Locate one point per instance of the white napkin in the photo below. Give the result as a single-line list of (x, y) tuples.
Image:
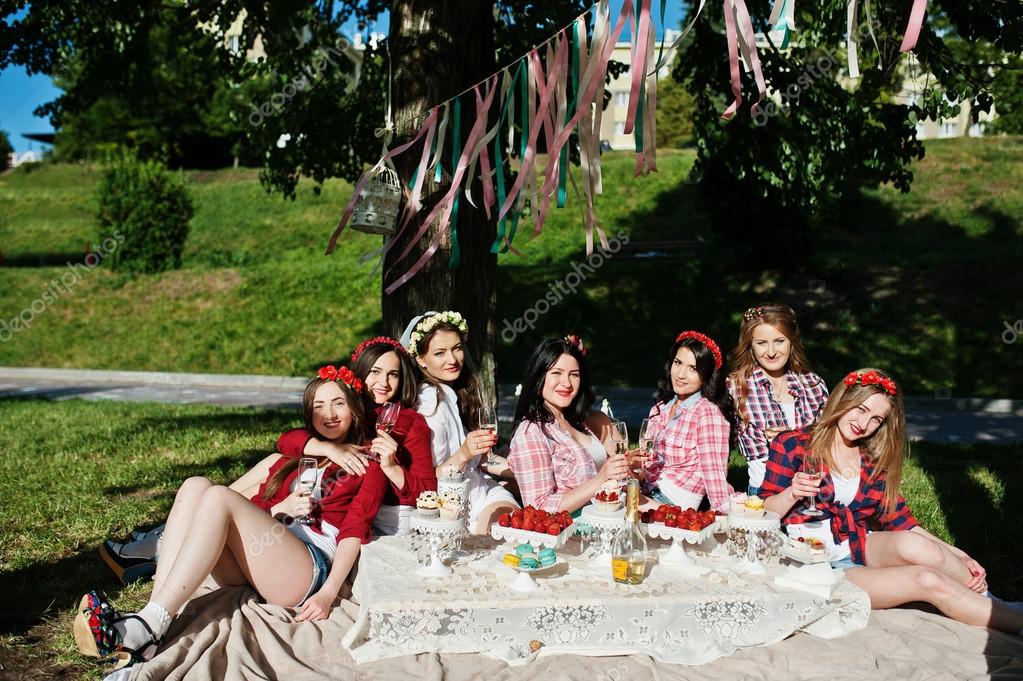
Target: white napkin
[(818, 579)]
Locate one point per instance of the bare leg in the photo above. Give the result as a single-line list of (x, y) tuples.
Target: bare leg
[(896, 549), (489, 515), (892, 586), (271, 558), (181, 517)]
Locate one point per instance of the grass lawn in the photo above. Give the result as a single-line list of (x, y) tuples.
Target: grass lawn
[(75, 473), (920, 284)]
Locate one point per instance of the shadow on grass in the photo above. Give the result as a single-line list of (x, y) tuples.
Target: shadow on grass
[(976, 487), (44, 259), (917, 296), (218, 470)]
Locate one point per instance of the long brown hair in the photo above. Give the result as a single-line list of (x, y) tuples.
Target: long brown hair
[(407, 393), (355, 434), (743, 362), (466, 387), (885, 449)]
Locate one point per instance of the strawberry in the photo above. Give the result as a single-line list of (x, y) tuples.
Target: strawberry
[(695, 527), (670, 521), (554, 528), (658, 516), (529, 525), (516, 523), (504, 520)]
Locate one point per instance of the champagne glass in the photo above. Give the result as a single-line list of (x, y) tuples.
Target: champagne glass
[(306, 482), (812, 467), (654, 461), (388, 417), (619, 437), (488, 422)]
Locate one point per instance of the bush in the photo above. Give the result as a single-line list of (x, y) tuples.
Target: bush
[(150, 206)]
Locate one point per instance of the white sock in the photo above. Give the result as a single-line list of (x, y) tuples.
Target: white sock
[(147, 547), (134, 634)]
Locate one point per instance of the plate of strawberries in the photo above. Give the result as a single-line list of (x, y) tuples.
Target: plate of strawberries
[(534, 526), (672, 521)]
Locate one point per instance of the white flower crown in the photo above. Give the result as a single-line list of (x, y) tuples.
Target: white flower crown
[(427, 323)]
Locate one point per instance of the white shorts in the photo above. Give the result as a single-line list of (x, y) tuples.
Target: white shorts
[(678, 496), (487, 495)]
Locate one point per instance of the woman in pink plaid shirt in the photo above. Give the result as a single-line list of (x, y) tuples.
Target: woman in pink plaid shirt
[(558, 461), (689, 427)]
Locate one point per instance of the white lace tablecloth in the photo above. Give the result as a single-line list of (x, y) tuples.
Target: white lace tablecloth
[(673, 618)]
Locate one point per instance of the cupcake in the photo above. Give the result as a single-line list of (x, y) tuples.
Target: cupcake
[(739, 503), (427, 504), (754, 507), (609, 498), (450, 502), (547, 556)]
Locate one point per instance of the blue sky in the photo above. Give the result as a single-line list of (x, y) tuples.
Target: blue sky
[(20, 93)]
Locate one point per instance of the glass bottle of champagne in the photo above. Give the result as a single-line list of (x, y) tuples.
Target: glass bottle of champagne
[(628, 550)]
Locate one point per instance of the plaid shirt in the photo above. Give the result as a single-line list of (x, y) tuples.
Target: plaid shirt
[(547, 467), (695, 450), (847, 522), (763, 411)]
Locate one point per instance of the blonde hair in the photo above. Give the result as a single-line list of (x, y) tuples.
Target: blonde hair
[(743, 362), (885, 449)]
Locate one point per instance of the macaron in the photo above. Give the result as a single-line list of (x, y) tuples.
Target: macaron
[(547, 556), (523, 549), (511, 559), (529, 564)]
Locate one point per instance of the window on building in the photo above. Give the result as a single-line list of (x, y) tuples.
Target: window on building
[(621, 99)]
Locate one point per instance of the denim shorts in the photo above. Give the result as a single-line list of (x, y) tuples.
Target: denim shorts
[(844, 564), (321, 568), (752, 491)]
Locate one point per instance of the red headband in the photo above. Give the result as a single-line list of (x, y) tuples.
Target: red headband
[(871, 378), (707, 341), (373, 341), (344, 374), (577, 343)]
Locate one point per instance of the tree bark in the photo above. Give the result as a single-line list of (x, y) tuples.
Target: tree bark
[(438, 48)]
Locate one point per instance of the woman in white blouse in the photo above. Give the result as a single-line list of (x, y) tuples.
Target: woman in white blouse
[(449, 399)]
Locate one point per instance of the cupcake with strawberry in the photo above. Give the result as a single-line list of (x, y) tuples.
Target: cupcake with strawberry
[(609, 498)]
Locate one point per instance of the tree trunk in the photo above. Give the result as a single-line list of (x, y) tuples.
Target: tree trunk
[(438, 48)]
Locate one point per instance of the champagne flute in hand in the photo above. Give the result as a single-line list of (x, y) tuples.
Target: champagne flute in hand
[(386, 420), (306, 482), (620, 441), (812, 468), (653, 462), (488, 422)]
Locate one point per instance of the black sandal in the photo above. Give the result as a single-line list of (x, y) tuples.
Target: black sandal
[(96, 636)]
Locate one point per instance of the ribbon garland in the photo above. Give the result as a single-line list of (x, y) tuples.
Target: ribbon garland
[(559, 95)]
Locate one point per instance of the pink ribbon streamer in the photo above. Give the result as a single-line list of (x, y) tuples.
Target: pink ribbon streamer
[(361, 184), (741, 20), (639, 60), (916, 19)]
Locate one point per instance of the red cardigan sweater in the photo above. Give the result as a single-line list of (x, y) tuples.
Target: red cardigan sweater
[(414, 454), (349, 502)]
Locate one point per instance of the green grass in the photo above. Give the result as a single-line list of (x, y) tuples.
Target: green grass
[(75, 473), (920, 284)]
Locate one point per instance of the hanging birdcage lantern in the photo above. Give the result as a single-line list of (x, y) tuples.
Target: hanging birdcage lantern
[(376, 211)]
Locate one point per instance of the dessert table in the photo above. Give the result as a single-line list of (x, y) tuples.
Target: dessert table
[(673, 616)]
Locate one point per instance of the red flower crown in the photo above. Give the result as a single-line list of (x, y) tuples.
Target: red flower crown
[(373, 341), (707, 341), (577, 343), (871, 378), (344, 375)]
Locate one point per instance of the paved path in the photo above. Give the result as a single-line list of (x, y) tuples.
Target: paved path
[(994, 421)]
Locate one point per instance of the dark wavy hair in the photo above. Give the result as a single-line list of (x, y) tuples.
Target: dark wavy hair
[(407, 393), (531, 407), (713, 379), (466, 387)]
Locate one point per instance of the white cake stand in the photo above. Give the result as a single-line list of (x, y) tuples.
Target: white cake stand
[(605, 524), (524, 582), (438, 531), (676, 555), (757, 531)]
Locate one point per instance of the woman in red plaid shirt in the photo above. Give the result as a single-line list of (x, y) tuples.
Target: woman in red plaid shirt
[(771, 384), (558, 461), (689, 427), (859, 443)]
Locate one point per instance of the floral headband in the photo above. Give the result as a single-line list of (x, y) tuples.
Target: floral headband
[(577, 343), (344, 375), (871, 378), (707, 341), (753, 313), (373, 341), (427, 323)]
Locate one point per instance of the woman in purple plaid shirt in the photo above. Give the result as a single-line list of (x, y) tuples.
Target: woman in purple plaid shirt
[(858, 445), (771, 384)]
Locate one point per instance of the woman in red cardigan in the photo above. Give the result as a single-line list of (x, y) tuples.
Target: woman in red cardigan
[(386, 371), (214, 531)]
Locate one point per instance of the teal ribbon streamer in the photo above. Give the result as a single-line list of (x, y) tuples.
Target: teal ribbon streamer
[(456, 153), (524, 133)]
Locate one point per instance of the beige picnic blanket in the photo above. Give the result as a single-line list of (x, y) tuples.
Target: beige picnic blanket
[(229, 634)]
